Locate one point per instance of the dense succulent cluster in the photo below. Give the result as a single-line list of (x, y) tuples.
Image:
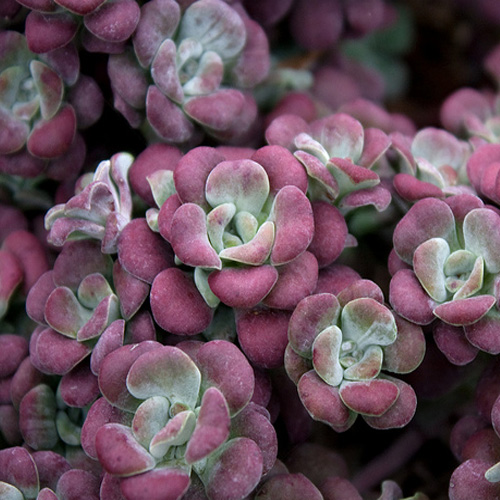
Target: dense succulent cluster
[(237, 262)]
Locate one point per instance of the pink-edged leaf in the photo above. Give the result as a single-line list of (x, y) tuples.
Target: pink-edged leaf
[(47, 32), (167, 118), (400, 413), (208, 76), (64, 313), (360, 288), (50, 87), (212, 426), (330, 233), (99, 414), (172, 293), (150, 418), (407, 352), (318, 172), (25, 378), (119, 453), (128, 79), (296, 280), (164, 71), (375, 145), (157, 484), (37, 418), (13, 349), (372, 398), (351, 177), (378, 196), (243, 287), (428, 218), (368, 367), (453, 343), (242, 182), (105, 313), (114, 21), (311, 316), (52, 138), (470, 476), (18, 468), (217, 111), (189, 239), (111, 339), (479, 162), (323, 402), (293, 216), (79, 387), (142, 252), (223, 365), (256, 251), (158, 22), (57, 354), (166, 371), (11, 275), (291, 486), (464, 312), (235, 470), (325, 355), (420, 309), (113, 374), (483, 333), (51, 466), (429, 259)]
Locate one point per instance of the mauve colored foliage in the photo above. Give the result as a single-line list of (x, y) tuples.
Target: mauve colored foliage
[(249, 250)]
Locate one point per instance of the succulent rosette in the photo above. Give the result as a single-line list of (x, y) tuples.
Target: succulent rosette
[(446, 259), (100, 209), (243, 226), (191, 71), (173, 417), (82, 307), (339, 155), (432, 163), (52, 24), (340, 347), (43, 101)]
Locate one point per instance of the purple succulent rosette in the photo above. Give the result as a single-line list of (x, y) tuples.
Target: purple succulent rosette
[(83, 306), (43, 101), (190, 72), (108, 24), (340, 347), (173, 417), (101, 208), (431, 164), (243, 225), (339, 155), (446, 256)]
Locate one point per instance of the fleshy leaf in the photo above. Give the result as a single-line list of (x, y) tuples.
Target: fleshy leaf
[(325, 355), (150, 417), (168, 372), (465, 312), (176, 432)]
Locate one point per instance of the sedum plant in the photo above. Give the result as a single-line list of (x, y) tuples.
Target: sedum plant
[(340, 347), (170, 414), (191, 71)]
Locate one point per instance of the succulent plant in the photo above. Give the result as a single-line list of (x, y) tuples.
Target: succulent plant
[(445, 256), (338, 347), (44, 100), (191, 71), (174, 414), (433, 163)]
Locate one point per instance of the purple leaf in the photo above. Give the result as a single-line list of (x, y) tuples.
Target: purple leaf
[(80, 7), (76, 484), (453, 343), (119, 453), (484, 334), (47, 32), (323, 402), (79, 387), (464, 312), (212, 426), (18, 468), (158, 484), (164, 71), (372, 398), (172, 293), (243, 287), (292, 213), (289, 486), (176, 432)]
